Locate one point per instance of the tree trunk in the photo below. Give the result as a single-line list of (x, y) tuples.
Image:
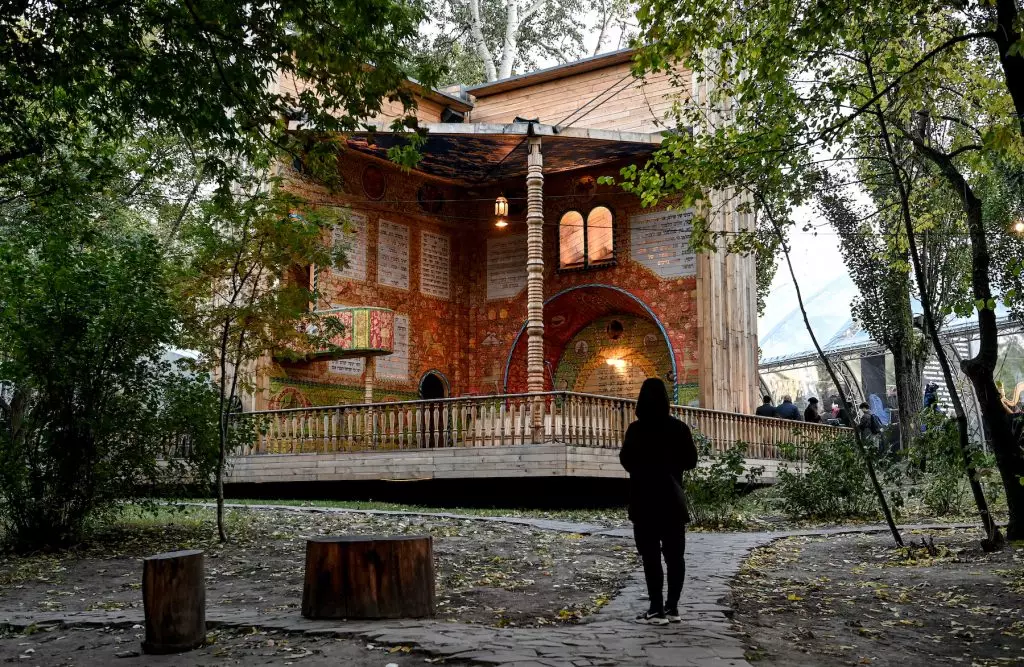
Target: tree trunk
[(508, 45), (1013, 64), (174, 601), (865, 456), (369, 577), (981, 369), (476, 31), (907, 367)]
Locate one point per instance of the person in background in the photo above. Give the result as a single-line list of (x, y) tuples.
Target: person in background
[(846, 415), (811, 415), (657, 448), (766, 409), (870, 428), (788, 410)]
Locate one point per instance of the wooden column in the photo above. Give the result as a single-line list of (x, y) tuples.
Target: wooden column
[(726, 292), (174, 602), (371, 370), (535, 280)]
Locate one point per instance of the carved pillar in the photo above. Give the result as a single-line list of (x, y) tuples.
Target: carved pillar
[(535, 283), (535, 267), (371, 368)]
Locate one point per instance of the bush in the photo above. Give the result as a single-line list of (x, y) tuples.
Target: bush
[(833, 485), (712, 492), (84, 318), (936, 466)]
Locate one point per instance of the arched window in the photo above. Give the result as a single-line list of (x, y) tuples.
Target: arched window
[(584, 242)]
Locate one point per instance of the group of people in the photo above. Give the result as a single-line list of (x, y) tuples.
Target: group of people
[(864, 420), (789, 410)]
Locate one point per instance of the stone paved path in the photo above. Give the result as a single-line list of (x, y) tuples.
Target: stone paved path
[(704, 638)]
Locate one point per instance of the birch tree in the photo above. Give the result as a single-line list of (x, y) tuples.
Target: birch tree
[(508, 37)]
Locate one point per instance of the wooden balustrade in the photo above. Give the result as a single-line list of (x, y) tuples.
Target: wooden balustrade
[(584, 420)]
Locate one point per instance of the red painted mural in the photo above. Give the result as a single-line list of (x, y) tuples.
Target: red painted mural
[(425, 256)]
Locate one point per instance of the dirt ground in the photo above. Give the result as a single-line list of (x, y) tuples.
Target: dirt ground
[(103, 647), (489, 573), (857, 600)]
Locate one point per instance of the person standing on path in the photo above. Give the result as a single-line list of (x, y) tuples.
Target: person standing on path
[(766, 409), (656, 450)]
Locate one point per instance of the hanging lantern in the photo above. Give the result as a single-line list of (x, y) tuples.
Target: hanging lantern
[(501, 223), (501, 207)]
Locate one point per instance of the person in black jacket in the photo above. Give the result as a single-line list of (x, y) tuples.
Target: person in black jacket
[(766, 409), (788, 410), (655, 452), (811, 414)]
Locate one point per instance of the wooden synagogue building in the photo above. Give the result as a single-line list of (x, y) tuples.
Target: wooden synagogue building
[(501, 265)]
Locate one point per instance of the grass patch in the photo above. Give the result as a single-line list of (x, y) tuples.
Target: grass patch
[(604, 516)]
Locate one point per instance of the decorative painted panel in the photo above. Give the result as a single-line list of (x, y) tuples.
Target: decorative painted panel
[(435, 265), (393, 255), (352, 234), (661, 242), (395, 366), (506, 266)]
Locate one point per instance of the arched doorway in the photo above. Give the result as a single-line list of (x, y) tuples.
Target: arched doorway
[(433, 386), (600, 339)]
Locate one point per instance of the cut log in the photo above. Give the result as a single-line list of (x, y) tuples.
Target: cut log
[(369, 577), (174, 599)]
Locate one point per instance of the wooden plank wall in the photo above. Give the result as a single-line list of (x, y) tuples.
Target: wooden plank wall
[(619, 101)]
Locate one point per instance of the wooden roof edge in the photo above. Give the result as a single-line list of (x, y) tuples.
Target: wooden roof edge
[(552, 73), (439, 96)]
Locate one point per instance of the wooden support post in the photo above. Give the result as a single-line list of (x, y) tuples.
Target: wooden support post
[(369, 577), (535, 281), (371, 371), (174, 600)]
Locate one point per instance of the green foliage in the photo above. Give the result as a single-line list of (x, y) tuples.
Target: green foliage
[(84, 315), (202, 69), (935, 467), (832, 484), (713, 493)]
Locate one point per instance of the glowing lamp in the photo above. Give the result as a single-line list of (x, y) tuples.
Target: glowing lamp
[(501, 207), (501, 223), (617, 364), (1019, 226)]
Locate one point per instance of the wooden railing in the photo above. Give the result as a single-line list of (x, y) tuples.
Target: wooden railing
[(501, 420)]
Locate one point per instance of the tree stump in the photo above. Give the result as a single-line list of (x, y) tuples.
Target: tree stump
[(369, 577), (174, 599)]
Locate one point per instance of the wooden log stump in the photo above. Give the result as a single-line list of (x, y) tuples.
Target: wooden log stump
[(174, 599), (369, 577)]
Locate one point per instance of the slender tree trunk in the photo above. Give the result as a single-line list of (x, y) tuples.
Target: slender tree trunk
[(981, 369), (476, 31), (1007, 35), (222, 430), (908, 390), (868, 463), (508, 44), (991, 531)]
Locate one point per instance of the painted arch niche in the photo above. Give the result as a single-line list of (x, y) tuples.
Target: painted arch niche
[(579, 336), (612, 356)]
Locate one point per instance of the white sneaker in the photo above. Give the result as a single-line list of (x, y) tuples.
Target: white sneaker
[(651, 618), (672, 615)]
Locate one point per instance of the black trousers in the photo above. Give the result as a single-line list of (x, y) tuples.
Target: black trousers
[(652, 541)]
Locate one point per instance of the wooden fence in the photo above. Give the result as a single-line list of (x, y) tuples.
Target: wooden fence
[(583, 420)]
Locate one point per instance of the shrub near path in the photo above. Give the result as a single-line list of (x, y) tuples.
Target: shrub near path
[(855, 600)]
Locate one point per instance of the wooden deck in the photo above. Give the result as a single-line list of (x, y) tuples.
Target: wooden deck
[(554, 434)]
